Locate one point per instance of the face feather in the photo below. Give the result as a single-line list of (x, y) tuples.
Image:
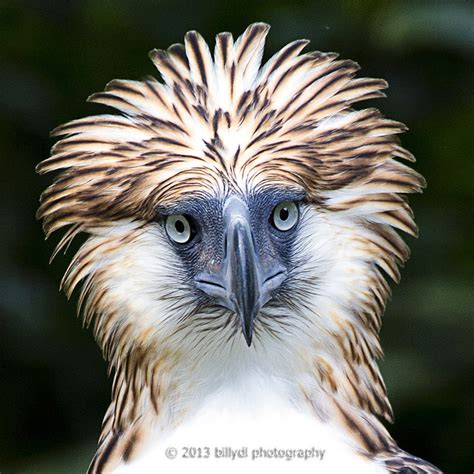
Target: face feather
[(217, 126)]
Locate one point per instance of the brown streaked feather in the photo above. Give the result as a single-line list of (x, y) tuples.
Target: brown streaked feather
[(116, 447), (369, 434), (398, 461)]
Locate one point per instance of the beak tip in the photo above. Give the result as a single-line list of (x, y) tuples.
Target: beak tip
[(247, 322)]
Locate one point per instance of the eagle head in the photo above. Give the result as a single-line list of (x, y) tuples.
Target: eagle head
[(236, 204)]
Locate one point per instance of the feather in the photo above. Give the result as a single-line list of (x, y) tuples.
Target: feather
[(398, 461)]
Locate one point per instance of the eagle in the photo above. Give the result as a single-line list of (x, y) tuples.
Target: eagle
[(241, 222)]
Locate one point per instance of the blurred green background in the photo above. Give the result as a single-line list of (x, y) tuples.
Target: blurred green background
[(53, 54)]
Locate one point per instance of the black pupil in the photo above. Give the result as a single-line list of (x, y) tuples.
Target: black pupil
[(179, 226), (284, 214)]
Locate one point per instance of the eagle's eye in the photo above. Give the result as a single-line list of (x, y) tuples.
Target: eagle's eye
[(285, 216), (180, 228)]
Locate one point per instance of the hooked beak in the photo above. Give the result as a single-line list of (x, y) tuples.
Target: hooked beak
[(242, 274), (242, 284)]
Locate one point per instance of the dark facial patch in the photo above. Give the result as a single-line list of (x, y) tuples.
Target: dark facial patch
[(206, 251), (270, 242)]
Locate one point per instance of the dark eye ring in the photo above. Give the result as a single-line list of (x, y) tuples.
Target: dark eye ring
[(180, 228), (285, 216)]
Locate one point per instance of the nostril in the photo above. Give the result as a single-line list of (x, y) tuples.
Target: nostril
[(273, 281), (280, 274), (209, 283), (214, 287)]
